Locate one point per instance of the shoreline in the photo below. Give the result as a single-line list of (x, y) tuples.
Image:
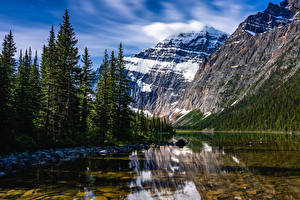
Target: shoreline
[(15, 162), (183, 131)]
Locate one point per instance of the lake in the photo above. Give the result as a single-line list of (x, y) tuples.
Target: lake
[(212, 166)]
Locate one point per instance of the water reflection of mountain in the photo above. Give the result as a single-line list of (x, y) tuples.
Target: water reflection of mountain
[(169, 172)]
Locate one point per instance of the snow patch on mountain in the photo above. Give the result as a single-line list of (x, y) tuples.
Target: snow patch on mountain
[(144, 86), (144, 66)]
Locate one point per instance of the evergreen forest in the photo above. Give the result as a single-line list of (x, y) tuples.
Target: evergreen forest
[(58, 102)]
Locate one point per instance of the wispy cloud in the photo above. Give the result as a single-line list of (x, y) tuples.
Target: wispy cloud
[(88, 7), (171, 13), (226, 15), (28, 37)]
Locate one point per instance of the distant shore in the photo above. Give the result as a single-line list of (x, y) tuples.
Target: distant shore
[(180, 131)]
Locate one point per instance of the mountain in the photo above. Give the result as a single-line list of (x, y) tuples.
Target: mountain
[(263, 44), (159, 75)]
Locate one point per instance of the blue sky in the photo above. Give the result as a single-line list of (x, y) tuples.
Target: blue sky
[(138, 24)]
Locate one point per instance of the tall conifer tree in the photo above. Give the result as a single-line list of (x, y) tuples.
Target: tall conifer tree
[(86, 81), (101, 102), (7, 69), (68, 73), (49, 82), (123, 96), (112, 97), (23, 97), (36, 91)]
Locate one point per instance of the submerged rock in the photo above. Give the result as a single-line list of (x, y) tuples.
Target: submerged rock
[(181, 142)]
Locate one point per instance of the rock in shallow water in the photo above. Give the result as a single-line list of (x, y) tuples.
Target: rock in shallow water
[(181, 142)]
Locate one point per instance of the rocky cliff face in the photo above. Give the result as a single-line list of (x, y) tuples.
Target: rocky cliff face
[(245, 61), (159, 75)]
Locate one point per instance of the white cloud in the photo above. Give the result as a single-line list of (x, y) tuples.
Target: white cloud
[(160, 31)]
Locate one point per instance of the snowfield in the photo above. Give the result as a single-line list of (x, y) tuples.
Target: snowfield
[(187, 69)]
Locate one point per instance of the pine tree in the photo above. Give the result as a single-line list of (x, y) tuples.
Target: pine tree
[(36, 91), (86, 81), (49, 83), (23, 97), (123, 96), (7, 68), (141, 128), (101, 102), (68, 73), (112, 98)]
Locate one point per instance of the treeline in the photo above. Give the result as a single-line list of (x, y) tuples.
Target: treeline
[(146, 127), (53, 105)]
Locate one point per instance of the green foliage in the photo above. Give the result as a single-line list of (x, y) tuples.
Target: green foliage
[(23, 97), (49, 72), (190, 119), (7, 82), (86, 81), (100, 111), (124, 114), (112, 98), (67, 78), (150, 128), (36, 92)]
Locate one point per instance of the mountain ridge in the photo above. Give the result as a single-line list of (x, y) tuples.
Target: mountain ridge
[(246, 59)]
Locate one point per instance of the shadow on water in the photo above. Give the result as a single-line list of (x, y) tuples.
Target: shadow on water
[(212, 167)]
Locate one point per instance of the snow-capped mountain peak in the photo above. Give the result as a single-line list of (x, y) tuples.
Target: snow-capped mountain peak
[(160, 74), (184, 47), (186, 38)]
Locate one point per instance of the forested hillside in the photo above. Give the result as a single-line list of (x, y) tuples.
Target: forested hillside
[(274, 107)]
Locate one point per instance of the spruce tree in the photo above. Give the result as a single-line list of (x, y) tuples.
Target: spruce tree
[(112, 98), (7, 69), (50, 79), (68, 73), (123, 96), (86, 81), (101, 102), (23, 97), (36, 91)]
